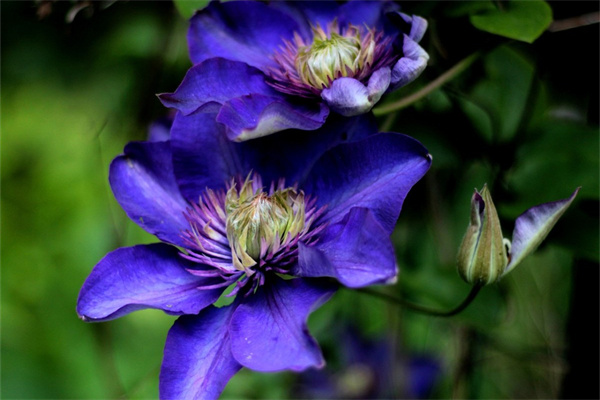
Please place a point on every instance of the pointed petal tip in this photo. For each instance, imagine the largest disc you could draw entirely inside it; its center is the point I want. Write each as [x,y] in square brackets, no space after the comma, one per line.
[533,226]
[575,193]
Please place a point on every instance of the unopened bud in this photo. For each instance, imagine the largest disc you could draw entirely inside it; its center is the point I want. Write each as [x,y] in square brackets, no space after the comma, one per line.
[482,257]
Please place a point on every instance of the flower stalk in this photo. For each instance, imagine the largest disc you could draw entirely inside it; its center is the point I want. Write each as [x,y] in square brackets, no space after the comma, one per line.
[424,309]
[441,80]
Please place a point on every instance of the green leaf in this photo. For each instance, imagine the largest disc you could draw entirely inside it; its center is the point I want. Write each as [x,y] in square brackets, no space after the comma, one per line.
[497,103]
[520,20]
[187,8]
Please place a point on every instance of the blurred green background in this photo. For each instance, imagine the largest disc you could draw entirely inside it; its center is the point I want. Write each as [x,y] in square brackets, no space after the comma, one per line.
[79,81]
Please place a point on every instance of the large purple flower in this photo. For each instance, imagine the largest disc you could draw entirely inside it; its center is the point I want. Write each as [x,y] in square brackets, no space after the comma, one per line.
[267,222]
[264,67]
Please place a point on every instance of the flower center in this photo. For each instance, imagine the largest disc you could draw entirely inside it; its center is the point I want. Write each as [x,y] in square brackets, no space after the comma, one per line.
[247,232]
[330,56]
[306,67]
[259,224]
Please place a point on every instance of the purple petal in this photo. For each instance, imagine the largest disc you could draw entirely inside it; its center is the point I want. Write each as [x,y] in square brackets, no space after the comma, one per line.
[418,26]
[360,13]
[357,251]
[374,173]
[308,14]
[313,13]
[532,227]
[143,183]
[160,130]
[289,154]
[349,97]
[409,66]
[257,115]
[269,332]
[211,83]
[145,276]
[198,363]
[250,32]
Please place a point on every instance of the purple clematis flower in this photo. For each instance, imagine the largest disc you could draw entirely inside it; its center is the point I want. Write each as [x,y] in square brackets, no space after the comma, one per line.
[264,67]
[271,223]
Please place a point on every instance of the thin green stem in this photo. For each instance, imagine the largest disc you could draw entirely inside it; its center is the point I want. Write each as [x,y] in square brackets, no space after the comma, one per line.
[423,309]
[433,85]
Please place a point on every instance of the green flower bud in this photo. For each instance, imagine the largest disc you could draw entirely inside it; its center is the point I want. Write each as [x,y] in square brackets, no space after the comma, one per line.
[258,223]
[482,257]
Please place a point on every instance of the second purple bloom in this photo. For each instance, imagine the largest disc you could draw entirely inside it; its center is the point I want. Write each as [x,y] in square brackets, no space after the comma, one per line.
[266,68]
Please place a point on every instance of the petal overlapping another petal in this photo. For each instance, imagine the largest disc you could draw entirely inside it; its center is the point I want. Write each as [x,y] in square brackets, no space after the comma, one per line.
[410,66]
[197,361]
[143,183]
[349,97]
[290,154]
[418,26]
[211,83]
[139,277]
[268,331]
[375,173]
[241,31]
[257,115]
[357,251]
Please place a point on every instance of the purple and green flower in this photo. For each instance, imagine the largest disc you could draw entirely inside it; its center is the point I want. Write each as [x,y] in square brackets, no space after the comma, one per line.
[264,68]
[275,224]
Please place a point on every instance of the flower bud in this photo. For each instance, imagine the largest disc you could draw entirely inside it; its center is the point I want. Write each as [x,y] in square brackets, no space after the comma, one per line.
[482,257]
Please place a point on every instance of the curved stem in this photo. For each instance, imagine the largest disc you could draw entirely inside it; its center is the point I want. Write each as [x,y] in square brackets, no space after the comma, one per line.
[423,309]
[436,83]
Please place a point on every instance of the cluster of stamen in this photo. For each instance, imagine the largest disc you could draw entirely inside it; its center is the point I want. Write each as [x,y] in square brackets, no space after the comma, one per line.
[305,69]
[246,232]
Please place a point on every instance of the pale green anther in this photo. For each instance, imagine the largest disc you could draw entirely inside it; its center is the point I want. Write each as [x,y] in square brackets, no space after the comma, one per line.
[482,256]
[332,55]
[259,224]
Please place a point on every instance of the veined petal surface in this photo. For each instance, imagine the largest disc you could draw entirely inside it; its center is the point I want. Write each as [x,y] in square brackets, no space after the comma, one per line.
[143,183]
[247,31]
[357,251]
[374,173]
[143,276]
[198,363]
[268,331]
